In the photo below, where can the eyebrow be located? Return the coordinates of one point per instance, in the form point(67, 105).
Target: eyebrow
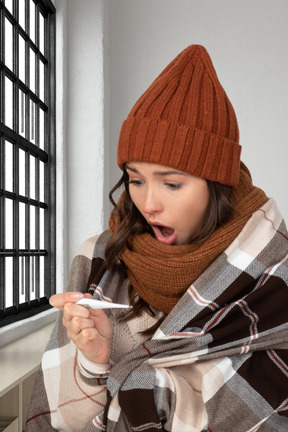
point(159, 173)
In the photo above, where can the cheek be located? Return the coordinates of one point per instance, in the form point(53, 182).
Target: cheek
point(203, 197)
point(135, 197)
point(202, 204)
point(131, 195)
point(197, 207)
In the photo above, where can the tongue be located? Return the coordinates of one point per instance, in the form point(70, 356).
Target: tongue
point(165, 235)
point(166, 231)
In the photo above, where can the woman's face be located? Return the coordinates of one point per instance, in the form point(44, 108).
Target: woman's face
point(172, 202)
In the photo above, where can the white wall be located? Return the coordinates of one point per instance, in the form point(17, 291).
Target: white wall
point(248, 43)
point(115, 48)
point(85, 121)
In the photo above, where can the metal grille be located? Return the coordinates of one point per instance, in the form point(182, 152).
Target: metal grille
point(27, 162)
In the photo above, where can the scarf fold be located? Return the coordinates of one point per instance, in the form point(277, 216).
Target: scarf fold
point(160, 274)
point(239, 321)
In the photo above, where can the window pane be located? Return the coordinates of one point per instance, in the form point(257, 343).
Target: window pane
point(8, 103)
point(32, 21)
point(32, 278)
point(41, 129)
point(41, 229)
point(21, 113)
point(41, 276)
point(32, 177)
point(32, 227)
point(22, 283)
point(41, 33)
point(8, 44)
point(32, 70)
point(22, 13)
point(41, 182)
point(8, 223)
point(41, 80)
point(22, 170)
point(32, 122)
point(21, 59)
point(9, 5)
point(9, 281)
point(8, 166)
point(22, 225)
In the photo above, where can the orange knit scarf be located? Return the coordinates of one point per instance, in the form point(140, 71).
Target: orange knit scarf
point(160, 274)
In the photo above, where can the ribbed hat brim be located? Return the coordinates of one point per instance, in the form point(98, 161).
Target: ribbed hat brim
point(186, 149)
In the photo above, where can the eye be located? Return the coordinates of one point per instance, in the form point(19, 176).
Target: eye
point(173, 186)
point(135, 182)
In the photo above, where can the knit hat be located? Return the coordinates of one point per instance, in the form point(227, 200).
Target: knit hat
point(184, 120)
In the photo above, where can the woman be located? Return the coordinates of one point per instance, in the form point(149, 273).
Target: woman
point(201, 256)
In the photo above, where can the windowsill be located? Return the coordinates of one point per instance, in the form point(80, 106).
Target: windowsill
point(20, 329)
point(21, 358)
point(19, 363)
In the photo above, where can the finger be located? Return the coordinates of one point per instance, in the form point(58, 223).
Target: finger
point(98, 313)
point(59, 300)
point(77, 325)
point(81, 333)
point(89, 334)
point(71, 310)
point(84, 339)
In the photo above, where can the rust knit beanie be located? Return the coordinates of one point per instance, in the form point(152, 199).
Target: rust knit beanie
point(184, 120)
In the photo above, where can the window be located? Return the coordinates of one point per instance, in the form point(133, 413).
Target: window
point(27, 157)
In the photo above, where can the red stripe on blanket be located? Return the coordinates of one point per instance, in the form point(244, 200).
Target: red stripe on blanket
point(272, 223)
point(39, 415)
point(185, 379)
point(265, 277)
point(78, 385)
point(254, 318)
point(278, 361)
point(217, 319)
point(63, 404)
point(202, 300)
point(146, 349)
point(81, 399)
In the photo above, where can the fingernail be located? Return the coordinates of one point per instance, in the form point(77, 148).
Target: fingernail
point(76, 295)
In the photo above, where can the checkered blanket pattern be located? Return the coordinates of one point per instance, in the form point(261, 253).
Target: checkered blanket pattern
point(218, 363)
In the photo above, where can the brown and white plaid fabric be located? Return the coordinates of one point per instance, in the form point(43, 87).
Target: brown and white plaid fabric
point(218, 363)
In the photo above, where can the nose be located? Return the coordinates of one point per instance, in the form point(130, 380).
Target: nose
point(152, 202)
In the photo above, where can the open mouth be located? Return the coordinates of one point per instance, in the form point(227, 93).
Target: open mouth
point(164, 234)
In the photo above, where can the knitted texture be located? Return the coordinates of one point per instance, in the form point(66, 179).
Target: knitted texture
point(160, 274)
point(218, 361)
point(185, 120)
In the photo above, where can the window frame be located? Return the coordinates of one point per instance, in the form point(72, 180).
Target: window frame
point(46, 155)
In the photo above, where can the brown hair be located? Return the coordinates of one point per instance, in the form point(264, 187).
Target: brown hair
point(219, 211)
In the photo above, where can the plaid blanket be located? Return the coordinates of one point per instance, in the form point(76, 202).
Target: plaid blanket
point(219, 361)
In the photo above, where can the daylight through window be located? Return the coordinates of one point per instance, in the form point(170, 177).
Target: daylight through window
point(27, 162)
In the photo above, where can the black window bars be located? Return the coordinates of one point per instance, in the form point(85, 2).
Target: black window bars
point(27, 157)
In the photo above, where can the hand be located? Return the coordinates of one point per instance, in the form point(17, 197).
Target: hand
point(90, 329)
